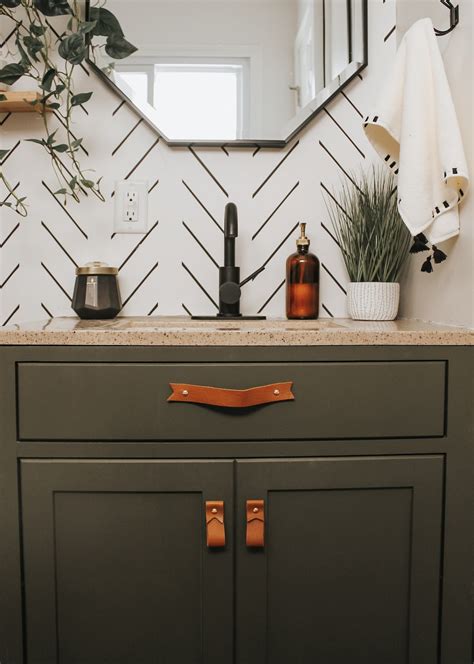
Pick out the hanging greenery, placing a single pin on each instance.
(49, 58)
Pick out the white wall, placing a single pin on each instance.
(274, 190)
(447, 295)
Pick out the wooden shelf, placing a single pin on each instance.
(19, 102)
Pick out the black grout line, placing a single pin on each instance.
(118, 107)
(10, 193)
(334, 278)
(7, 156)
(56, 282)
(255, 153)
(208, 171)
(280, 163)
(275, 210)
(324, 227)
(152, 311)
(2, 244)
(135, 126)
(344, 132)
(203, 206)
(390, 33)
(200, 244)
(138, 245)
(271, 296)
(292, 230)
(59, 244)
(140, 284)
(223, 148)
(15, 269)
(186, 309)
(47, 310)
(199, 284)
(352, 104)
(142, 159)
(2, 122)
(66, 211)
(326, 190)
(340, 166)
(153, 186)
(10, 35)
(11, 316)
(327, 310)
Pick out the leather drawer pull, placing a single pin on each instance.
(215, 526)
(216, 396)
(255, 524)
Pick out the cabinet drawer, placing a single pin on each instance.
(129, 401)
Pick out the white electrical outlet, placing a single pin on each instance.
(131, 207)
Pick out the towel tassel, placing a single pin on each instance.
(420, 243)
(427, 267)
(438, 255)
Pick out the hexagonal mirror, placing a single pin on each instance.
(244, 72)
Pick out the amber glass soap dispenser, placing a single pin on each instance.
(302, 281)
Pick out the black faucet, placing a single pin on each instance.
(229, 275)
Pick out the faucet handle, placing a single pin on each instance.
(252, 276)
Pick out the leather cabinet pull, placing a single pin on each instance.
(215, 526)
(217, 396)
(255, 524)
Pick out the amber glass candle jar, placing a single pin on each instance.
(302, 281)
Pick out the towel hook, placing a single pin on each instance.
(454, 17)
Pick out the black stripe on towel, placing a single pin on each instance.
(455, 171)
(446, 204)
(437, 210)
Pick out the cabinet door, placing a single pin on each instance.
(116, 565)
(350, 570)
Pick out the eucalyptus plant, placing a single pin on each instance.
(373, 239)
(48, 53)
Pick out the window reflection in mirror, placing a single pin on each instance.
(224, 70)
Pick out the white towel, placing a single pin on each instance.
(414, 129)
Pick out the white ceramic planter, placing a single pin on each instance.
(373, 301)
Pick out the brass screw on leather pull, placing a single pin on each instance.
(214, 510)
(276, 392)
(185, 393)
(255, 510)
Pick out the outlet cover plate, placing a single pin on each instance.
(131, 207)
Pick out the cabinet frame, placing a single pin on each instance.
(455, 445)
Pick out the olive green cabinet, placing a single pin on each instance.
(117, 568)
(365, 478)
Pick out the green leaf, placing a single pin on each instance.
(119, 48)
(73, 49)
(59, 88)
(87, 26)
(60, 191)
(81, 98)
(62, 147)
(34, 46)
(76, 144)
(36, 140)
(73, 183)
(37, 30)
(106, 24)
(25, 60)
(54, 106)
(52, 7)
(3, 154)
(10, 3)
(3, 97)
(6, 204)
(88, 183)
(11, 73)
(48, 79)
(51, 138)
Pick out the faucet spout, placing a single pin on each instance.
(231, 231)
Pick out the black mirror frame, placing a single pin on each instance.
(322, 99)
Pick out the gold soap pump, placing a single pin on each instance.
(302, 281)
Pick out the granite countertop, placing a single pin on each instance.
(182, 331)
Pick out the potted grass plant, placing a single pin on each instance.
(374, 241)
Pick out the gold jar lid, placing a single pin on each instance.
(96, 268)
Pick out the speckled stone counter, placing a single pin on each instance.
(180, 331)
